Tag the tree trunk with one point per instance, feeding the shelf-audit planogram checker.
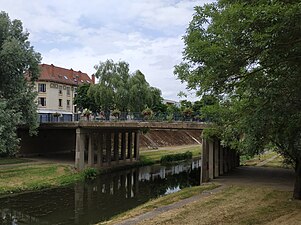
(297, 188)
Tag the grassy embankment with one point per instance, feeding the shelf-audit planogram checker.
(25, 175)
(30, 177)
(276, 162)
(234, 205)
(237, 204)
(154, 156)
(162, 201)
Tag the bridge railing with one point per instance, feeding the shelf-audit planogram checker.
(123, 116)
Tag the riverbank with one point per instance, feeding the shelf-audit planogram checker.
(21, 175)
(248, 195)
(237, 204)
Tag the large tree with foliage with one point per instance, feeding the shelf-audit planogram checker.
(248, 55)
(83, 100)
(120, 90)
(18, 70)
(111, 91)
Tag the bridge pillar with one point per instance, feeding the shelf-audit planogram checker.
(80, 149)
(205, 161)
(123, 145)
(130, 138)
(91, 148)
(108, 147)
(226, 159)
(216, 158)
(116, 146)
(136, 145)
(100, 144)
(211, 159)
(221, 159)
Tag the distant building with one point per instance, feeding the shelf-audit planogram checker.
(56, 89)
(171, 102)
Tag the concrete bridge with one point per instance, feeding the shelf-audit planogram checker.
(115, 143)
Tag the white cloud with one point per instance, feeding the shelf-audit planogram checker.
(79, 34)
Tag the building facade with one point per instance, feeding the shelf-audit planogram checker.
(56, 89)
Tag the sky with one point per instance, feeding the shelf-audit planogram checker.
(79, 34)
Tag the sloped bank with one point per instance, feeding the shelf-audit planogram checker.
(154, 139)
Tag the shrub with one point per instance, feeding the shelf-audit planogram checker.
(176, 157)
(116, 113)
(90, 173)
(147, 113)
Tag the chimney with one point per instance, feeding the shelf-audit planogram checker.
(93, 79)
(52, 70)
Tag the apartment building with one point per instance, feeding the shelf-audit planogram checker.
(56, 89)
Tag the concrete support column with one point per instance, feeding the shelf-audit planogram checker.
(91, 150)
(216, 158)
(231, 159)
(211, 159)
(205, 161)
(226, 169)
(237, 159)
(100, 147)
(221, 159)
(123, 145)
(108, 147)
(116, 146)
(80, 150)
(130, 138)
(136, 145)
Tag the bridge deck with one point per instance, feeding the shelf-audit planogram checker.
(127, 125)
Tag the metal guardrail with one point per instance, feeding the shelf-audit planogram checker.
(130, 116)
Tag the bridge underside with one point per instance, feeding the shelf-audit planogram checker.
(106, 147)
(217, 160)
(90, 147)
(96, 144)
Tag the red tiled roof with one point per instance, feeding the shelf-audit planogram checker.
(62, 75)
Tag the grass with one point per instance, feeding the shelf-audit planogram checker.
(155, 155)
(162, 201)
(277, 162)
(36, 177)
(236, 205)
(6, 161)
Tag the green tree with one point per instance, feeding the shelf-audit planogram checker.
(247, 55)
(83, 100)
(139, 94)
(18, 70)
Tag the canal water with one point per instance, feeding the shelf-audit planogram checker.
(98, 200)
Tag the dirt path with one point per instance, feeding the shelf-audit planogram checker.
(277, 178)
(267, 161)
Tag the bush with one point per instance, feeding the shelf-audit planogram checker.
(176, 157)
(90, 173)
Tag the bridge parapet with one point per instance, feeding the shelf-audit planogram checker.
(127, 125)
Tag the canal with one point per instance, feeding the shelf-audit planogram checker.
(100, 199)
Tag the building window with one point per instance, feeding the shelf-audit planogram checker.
(68, 104)
(42, 102)
(68, 91)
(42, 87)
(60, 102)
(60, 89)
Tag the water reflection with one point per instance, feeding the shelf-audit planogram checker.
(108, 195)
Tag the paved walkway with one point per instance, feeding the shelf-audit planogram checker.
(277, 178)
